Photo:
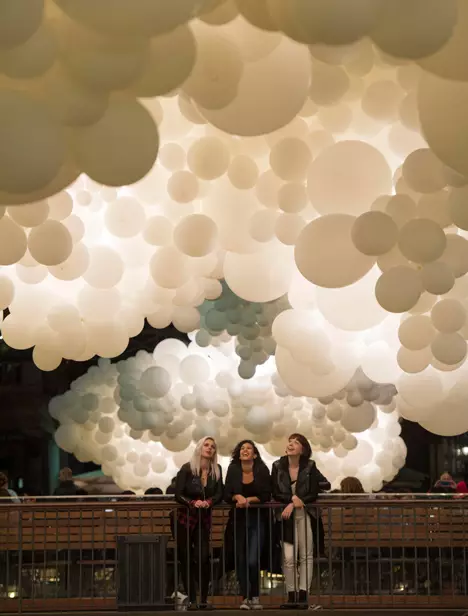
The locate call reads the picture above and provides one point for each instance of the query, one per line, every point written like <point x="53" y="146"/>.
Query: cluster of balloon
<point x="139" y="418"/>
<point x="143" y="162"/>
<point x="230" y="316"/>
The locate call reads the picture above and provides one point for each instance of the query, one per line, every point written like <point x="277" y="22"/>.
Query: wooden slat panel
<point x="98" y="526"/>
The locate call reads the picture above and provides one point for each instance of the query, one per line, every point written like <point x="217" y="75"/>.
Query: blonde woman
<point x="198" y="487"/>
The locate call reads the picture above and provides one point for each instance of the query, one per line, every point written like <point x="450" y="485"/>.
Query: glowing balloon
<point x="326" y="255"/>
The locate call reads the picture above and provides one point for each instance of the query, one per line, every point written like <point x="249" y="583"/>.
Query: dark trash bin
<point x="142" y="572"/>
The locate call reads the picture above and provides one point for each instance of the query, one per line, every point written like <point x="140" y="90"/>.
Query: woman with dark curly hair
<point x="247" y="484"/>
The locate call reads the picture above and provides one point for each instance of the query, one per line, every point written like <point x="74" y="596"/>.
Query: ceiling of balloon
<point x="288" y="179"/>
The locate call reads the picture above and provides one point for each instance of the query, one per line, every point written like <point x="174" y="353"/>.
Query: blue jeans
<point x="248" y="555"/>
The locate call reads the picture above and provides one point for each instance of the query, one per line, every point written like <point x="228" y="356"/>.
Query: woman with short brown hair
<point x="296" y="483"/>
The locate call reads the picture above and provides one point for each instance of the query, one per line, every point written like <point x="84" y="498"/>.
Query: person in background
<point x="462" y="486"/>
<point x="11" y="517"/>
<point x="27" y="495"/>
<point x="295" y="482"/>
<point x="445" y="485"/>
<point x="351" y="485"/>
<point x="248" y="482"/>
<point x="4" y="486"/>
<point x="127" y="495"/>
<point x="171" y="488"/>
<point x="199" y="487"/>
<point x="153" y="492"/>
<point x="66" y="485"/>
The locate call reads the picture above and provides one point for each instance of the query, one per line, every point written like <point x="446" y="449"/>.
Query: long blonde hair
<point x="195" y="462"/>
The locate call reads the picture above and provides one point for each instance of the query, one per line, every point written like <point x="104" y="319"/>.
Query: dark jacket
<point x="234" y="535"/>
<point x="189" y="487"/>
<point x="262" y="482"/>
<point x="324" y="484"/>
<point x="307" y="489"/>
<point x="307" y="486"/>
<point x="66" y="488"/>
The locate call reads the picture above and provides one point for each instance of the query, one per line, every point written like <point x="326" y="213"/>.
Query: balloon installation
<point x="140" y="418"/>
<point x="287" y="179"/>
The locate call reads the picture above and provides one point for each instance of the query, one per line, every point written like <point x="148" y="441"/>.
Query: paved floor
<point x="333" y="612"/>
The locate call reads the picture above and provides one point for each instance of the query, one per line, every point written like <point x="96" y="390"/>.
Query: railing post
<point x="20" y="562"/>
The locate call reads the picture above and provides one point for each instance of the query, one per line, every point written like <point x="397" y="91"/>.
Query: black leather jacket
<point x="307" y="486"/>
<point x="233" y="485"/>
<point x="188" y="487"/>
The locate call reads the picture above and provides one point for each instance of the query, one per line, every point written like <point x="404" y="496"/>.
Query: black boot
<point x="291" y="604"/>
<point x="204" y="605"/>
<point x="303" y="603"/>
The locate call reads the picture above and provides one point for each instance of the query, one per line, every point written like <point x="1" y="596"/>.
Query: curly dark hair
<point x="235" y="457"/>
<point x="306" y="448"/>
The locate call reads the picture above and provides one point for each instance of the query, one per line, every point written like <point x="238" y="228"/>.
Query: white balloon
<point x="155" y="382"/>
<point x="359" y="418"/>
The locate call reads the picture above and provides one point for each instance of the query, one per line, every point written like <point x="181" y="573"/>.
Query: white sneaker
<point x="255" y="604"/>
<point x="245" y="605"/>
<point x="315" y="608"/>
<point x="181" y="601"/>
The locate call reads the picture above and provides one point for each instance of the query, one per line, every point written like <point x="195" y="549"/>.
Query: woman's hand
<point x="287" y="511"/>
<point x="241" y="501"/>
<point x="296" y="501"/>
<point x="199" y="504"/>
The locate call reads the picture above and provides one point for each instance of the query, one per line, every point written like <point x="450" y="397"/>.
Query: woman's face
<point x="294" y="448"/>
<point x="208" y="449"/>
<point x="247" y="453"/>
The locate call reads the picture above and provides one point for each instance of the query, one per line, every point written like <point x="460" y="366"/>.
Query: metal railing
<point x="378" y="552"/>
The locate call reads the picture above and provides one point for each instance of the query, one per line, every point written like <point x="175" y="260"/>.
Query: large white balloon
<point x="261" y="277"/>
